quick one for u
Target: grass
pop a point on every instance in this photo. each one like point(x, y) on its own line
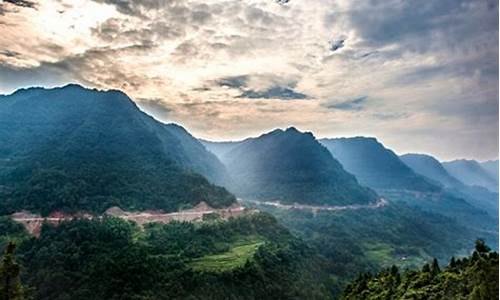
point(236, 257)
point(383, 254)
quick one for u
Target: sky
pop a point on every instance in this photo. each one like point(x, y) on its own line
point(421, 76)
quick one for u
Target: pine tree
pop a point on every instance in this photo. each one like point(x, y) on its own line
point(435, 267)
point(481, 246)
point(10, 284)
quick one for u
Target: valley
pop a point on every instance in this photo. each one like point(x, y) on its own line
point(97, 195)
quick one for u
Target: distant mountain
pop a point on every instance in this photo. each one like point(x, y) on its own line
point(471, 172)
point(219, 148)
point(376, 166)
point(291, 166)
point(430, 167)
point(491, 166)
point(73, 148)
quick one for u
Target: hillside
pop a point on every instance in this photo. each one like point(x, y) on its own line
point(430, 167)
point(374, 165)
point(470, 172)
point(291, 166)
point(111, 258)
point(491, 166)
point(73, 148)
point(219, 148)
point(473, 277)
point(381, 169)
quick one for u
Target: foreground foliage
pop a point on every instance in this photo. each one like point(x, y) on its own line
point(114, 259)
point(474, 277)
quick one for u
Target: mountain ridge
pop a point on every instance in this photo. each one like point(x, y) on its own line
point(72, 143)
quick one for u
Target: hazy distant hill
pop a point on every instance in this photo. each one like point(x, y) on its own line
point(491, 166)
point(291, 166)
point(73, 148)
point(471, 172)
point(381, 169)
point(374, 165)
point(219, 148)
point(430, 167)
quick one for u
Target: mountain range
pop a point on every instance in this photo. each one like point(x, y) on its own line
point(289, 166)
point(73, 148)
point(472, 173)
point(376, 166)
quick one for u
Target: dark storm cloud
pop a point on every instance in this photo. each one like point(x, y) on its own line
point(382, 22)
point(355, 104)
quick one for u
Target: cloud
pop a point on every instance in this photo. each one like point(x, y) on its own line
point(156, 107)
point(355, 104)
point(336, 44)
point(274, 92)
point(11, 5)
point(234, 81)
point(262, 86)
point(428, 70)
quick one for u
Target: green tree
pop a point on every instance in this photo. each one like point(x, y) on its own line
point(435, 267)
point(481, 246)
point(10, 284)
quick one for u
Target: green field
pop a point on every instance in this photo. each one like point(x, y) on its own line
point(236, 257)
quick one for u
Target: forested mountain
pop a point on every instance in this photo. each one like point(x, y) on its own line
point(291, 166)
point(250, 257)
point(73, 148)
point(471, 172)
point(381, 169)
point(430, 167)
point(367, 240)
point(474, 277)
point(374, 165)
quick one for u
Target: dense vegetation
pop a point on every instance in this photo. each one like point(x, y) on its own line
point(290, 166)
point(250, 257)
point(474, 278)
point(76, 149)
point(365, 240)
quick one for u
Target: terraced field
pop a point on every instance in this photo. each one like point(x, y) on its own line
point(236, 257)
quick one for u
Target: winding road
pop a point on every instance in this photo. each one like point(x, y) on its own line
point(379, 203)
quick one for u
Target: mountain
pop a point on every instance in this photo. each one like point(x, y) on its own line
point(381, 169)
point(430, 167)
point(376, 166)
point(291, 166)
point(73, 148)
point(219, 148)
point(470, 172)
point(491, 166)
point(249, 257)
